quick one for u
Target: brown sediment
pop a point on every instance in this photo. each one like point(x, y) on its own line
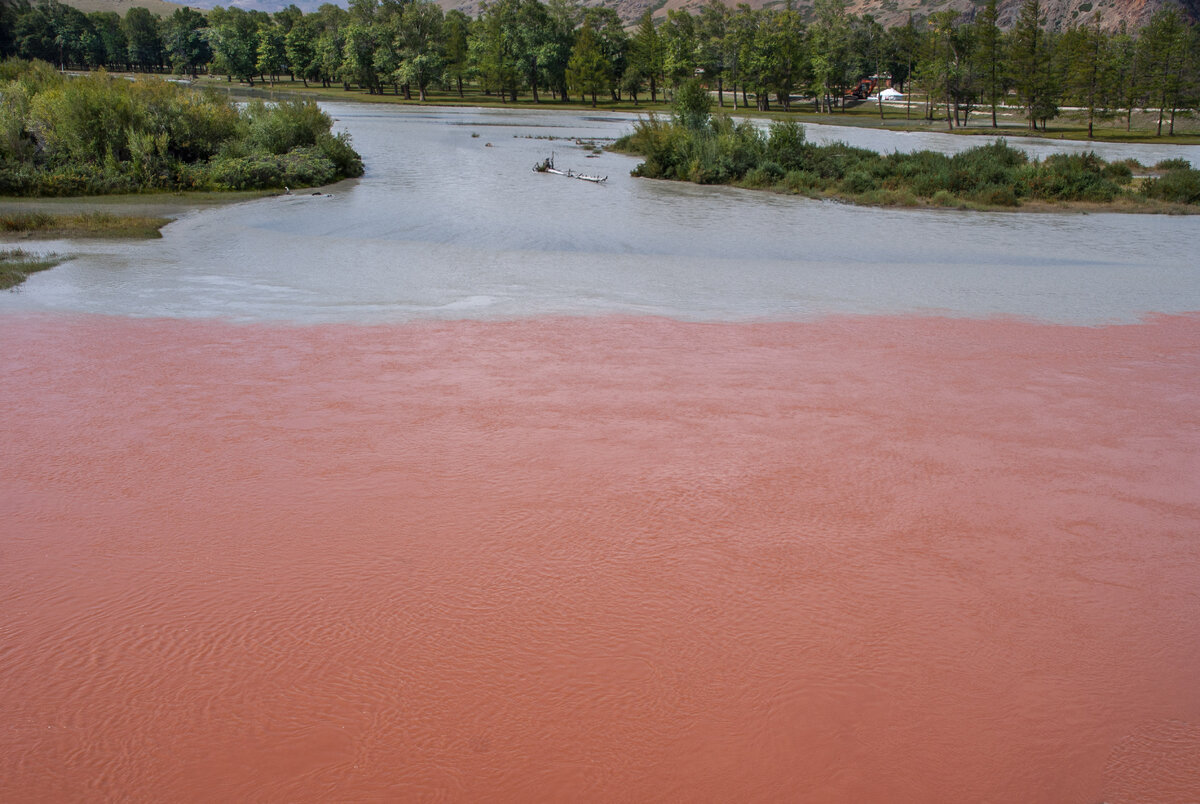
point(858, 559)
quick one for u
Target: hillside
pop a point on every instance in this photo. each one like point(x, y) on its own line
point(160, 8)
point(1059, 13)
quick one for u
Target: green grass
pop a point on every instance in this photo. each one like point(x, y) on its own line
point(16, 266)
point(86, 224)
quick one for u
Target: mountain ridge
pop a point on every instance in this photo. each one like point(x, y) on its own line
point(1060, 14)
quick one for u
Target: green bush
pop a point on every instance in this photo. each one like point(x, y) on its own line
point(1181, 186)
point(857, 181)
point(1173, 164)
point(993, 174)
point(1118, 172)
point(799, 181)
point(98, 134)
point(785, 144)
point(1072, 177)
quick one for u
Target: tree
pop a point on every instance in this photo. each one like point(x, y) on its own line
point(612, 40)
point(712, 46)
point(679, 47)
point(496, 49)
point(107, 25)
point(183, 36)
point(233, 36)
point(906, 47)
point(1164, 47)
point(145, 45)
point(300, 47)
point(455, 30)
point(1030, 59)
point(828, 37)
point(420, 43)
point(647, 53)
point(271, 57)
point(1086, 59)
point(989, 45)
point(693, 105)
point(587, 70)
point(358, 55)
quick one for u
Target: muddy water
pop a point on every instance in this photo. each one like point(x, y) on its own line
point(450, 222)
point(861, 559)
point(452, 518)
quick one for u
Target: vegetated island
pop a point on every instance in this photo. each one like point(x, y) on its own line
point(98, 134)
point(696, 146)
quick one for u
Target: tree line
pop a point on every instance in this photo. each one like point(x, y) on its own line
point(560, 50)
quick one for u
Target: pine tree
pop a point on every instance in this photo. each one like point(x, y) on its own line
point(587, 71)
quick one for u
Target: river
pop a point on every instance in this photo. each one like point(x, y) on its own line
point(460, 482)
point(444, 226)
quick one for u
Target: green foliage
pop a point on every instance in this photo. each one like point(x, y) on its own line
point(98, 134)
point(994, 175)
point(785, 144)
point(302, 167)
point(1180, 186)
point(693, 105)
point(1072, 177)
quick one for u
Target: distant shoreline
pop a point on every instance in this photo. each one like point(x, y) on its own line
point(865, 115)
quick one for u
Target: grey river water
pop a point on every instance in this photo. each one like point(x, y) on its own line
point(451, 222)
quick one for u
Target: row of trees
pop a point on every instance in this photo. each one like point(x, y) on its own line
point(558, 48)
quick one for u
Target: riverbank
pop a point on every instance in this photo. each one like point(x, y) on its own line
point(900, 117)
point(168, 205)
point(82, 224)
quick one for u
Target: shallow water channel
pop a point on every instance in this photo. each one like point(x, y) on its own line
point(451, 222)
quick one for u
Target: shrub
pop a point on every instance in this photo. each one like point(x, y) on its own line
point(857, 181)
point(692, 105)
point(1178, 186)
point(998, 195)
point(785, 144)
point(1072, 177)
point(798, 181)
point(279, 127)
point(1118, 172)
point(1173, 164)
point(97, 134)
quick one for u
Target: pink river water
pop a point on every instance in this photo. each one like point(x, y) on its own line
point(610, 559)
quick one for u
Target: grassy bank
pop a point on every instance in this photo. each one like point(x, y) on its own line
point(84, 224)
point(16, 266)
point(696, 147)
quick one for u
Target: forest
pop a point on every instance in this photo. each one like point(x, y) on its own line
point(773, 59)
